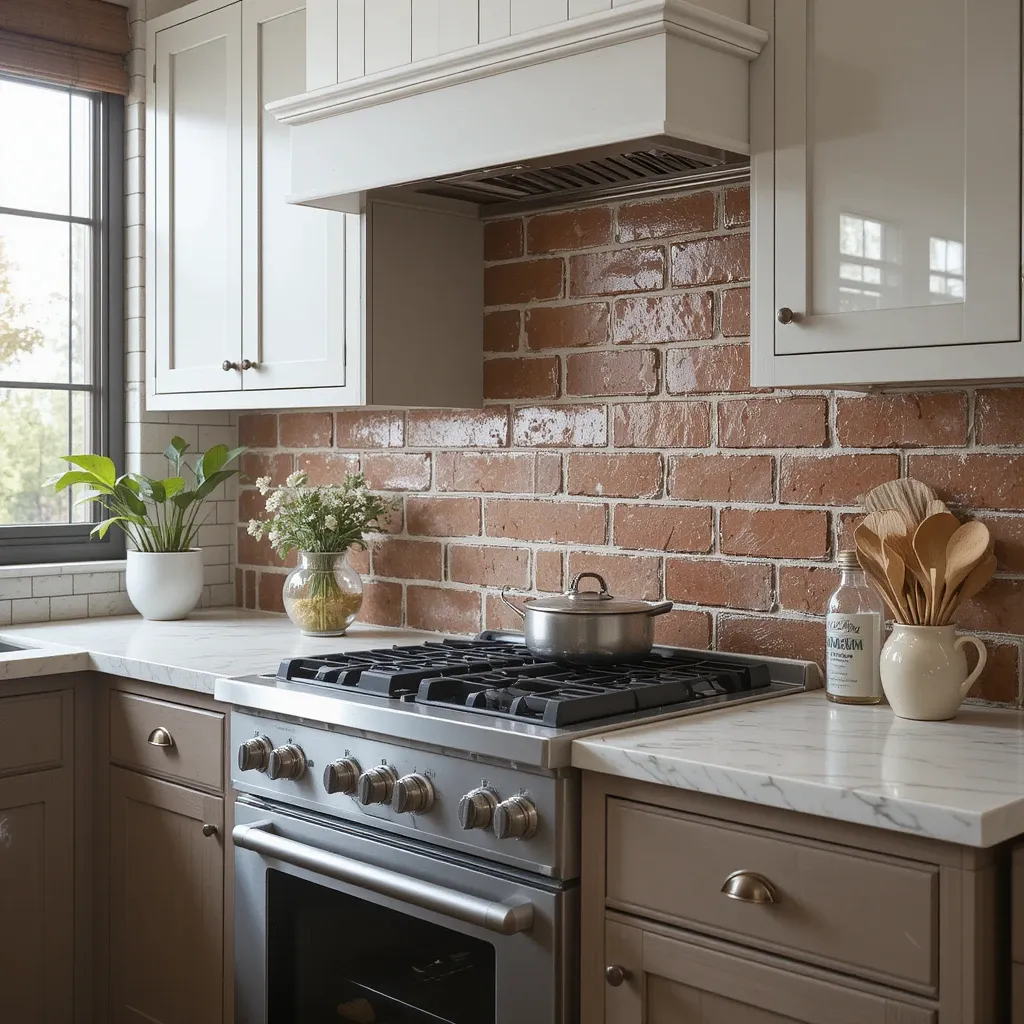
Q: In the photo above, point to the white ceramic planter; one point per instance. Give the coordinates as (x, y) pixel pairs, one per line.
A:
(924, 671)
(164, 585)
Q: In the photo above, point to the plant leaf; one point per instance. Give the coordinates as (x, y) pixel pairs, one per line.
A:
(152, 489)
(130, 499)
(129, 481)
(212, 461)
(100, 529)
(173, 485)
(75, 476)
(184, 499)
(211, 483)
(99, 465)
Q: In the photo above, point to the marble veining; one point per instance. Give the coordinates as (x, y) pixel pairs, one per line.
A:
(189, 654)
(960, 781)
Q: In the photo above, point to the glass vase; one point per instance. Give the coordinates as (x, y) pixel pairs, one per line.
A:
(323, 593)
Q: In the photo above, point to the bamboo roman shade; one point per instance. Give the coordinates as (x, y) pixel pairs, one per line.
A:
(82, 43)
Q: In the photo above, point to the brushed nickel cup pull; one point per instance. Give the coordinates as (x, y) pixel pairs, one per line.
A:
(749, 888)
(615, 975)
(228, 365)
(209, 830)
(160, 737)
(248, 364)
(785, 315)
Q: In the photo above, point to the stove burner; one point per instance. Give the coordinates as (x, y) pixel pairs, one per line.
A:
(501, 678)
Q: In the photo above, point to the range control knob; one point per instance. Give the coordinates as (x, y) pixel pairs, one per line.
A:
(515, 818)
(342, 776)
(253, 754)
(476, 809)
(376, 785)
(413, 794)
(287, 762)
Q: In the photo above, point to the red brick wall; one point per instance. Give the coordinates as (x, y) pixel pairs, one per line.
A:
(621, 434)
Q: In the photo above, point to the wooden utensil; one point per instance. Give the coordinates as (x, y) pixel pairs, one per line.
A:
(876, 573)
(930, 540)
(909, 497)
(896, 574)
(977, 578)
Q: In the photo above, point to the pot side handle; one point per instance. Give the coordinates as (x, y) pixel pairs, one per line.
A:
(967, 638)
(660, 608)
(506, 601)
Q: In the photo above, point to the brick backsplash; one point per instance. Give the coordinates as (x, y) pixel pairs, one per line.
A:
(621, 434)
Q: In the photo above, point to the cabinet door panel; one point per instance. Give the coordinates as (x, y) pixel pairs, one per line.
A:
(195, 199)
(167, 902)
(293, 256)
(897, 155)
(36, 898)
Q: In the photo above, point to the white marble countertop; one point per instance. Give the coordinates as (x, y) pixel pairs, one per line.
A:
(189, 654)
(960, 781)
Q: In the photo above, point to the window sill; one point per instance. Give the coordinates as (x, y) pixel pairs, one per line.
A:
(60, 568)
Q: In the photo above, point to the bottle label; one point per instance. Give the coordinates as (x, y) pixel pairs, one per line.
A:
(851, 655)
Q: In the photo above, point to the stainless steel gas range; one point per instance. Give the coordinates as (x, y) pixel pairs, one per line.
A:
(407, 826)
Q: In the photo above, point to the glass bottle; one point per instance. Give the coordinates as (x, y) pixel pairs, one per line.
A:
(853, 637)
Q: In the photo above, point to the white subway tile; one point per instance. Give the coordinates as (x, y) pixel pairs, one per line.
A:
(222, 595)
(96, 582)
(32, 609)
(17, 587)
(109, 604)
(52, 586)
(69, 607)
(5, 613)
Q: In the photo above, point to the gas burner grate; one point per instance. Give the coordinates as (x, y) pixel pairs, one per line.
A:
(559, 695)
(396, 672)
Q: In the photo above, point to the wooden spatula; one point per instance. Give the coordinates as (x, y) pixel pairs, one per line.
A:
(930, 540)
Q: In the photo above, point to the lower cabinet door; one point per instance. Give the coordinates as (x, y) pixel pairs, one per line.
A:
(653, 979)
(37, 905)
(166, 902)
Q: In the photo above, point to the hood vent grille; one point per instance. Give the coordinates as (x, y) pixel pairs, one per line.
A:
(611, 175)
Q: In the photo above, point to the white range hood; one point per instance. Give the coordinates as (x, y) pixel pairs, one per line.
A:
(642, 94)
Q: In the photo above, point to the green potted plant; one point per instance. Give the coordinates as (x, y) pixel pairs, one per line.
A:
(323, 594)
(160, 519)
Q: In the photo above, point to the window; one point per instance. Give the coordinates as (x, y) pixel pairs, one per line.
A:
(61, 287)
(946, 270)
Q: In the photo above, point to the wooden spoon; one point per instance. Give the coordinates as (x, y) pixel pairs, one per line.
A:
(968, 547)
(977, 578)
(930, 540)
(896, 574)
(874, 571)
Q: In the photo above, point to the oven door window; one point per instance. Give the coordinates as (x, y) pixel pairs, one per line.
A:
(334, 958)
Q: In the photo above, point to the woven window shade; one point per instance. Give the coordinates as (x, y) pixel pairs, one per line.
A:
(82, 43)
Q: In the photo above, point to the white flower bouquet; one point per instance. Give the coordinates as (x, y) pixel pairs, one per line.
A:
(323, 594)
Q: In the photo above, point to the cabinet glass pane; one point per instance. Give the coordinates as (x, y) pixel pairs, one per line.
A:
(886, 182)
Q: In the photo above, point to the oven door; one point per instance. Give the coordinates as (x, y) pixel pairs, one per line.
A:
(338, 923)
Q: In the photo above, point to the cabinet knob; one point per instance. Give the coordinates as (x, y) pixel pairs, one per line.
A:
(248, 364)
(228, 365)
(615, 975)
(785, 315)
(747, 887)
(160, 737)
(209, 830)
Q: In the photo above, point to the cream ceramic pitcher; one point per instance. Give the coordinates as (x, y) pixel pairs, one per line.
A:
(924, 671)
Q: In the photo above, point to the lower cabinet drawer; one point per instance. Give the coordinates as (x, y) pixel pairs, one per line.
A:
(659, 979)
(32, 730)
(156, 736)
(840, 908)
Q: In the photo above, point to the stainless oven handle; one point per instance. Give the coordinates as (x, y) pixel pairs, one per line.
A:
(503, 918)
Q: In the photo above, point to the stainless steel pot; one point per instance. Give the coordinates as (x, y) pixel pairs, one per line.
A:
(586, 626)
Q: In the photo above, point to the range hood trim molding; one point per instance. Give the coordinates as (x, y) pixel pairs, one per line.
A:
(620, 24)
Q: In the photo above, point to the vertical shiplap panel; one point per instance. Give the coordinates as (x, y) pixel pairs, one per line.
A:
(577, 8)
(321, 43)
(425, 41)
(527, 14)
(388, 34)
(458, 24)
(495, 19)
(351, 39)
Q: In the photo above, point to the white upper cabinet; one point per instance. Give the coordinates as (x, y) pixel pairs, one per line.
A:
(194, 204)
(254, 302)
(886, 156)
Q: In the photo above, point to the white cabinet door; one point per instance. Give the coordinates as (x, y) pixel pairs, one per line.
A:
(887, 201)
(195, 205)
(295, 286)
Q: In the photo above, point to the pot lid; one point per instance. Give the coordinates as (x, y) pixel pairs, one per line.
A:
(589, 602)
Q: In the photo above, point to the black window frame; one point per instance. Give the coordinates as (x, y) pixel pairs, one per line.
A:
(71, 542)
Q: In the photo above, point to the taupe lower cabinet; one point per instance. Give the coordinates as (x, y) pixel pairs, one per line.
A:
(166, 901)
(829, 923)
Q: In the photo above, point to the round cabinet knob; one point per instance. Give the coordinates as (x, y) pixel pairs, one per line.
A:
(248, 364)
(476, 809)
(228, 365)
(287, 762)
(376, 785)
(615, 975)
(341, 776)
(515, 818)
(209, 830)
(253, 754)
(413, 794)
(785, 315)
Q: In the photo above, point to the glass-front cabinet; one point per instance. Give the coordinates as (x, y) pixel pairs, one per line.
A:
(886, 192)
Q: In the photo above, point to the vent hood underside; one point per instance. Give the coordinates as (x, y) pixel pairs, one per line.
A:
(637, 99)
